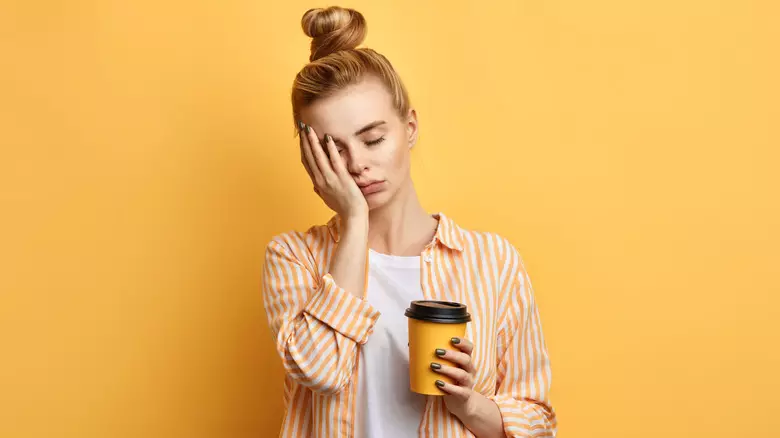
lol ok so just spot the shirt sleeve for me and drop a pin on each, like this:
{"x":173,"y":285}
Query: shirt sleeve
{"x":317,"y":324}
{"x":524,"y":373}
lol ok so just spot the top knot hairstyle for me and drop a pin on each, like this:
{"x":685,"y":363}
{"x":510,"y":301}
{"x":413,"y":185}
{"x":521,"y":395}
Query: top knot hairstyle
{"x":336,"y":61}
{"x":332,"y":30}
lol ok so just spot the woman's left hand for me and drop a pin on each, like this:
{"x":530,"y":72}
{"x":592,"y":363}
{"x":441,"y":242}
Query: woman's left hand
{"x":460,"y":395}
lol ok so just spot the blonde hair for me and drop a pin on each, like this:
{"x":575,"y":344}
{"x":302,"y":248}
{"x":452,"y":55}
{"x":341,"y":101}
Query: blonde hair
{"x":336,"y":62}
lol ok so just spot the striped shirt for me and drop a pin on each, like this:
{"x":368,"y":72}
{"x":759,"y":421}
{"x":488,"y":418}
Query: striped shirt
{"x":318,"y":328}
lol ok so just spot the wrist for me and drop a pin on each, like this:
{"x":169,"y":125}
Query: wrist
{"x":358,"y":219}
{"x":483,"y":417}
{"x":474,"y":406}
{"x":355,"y":228}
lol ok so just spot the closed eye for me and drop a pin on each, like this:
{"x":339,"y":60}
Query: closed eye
{"x":375,"y":142}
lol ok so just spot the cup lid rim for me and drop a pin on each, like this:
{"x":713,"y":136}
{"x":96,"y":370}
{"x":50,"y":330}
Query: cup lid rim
{"x":443,"y":312}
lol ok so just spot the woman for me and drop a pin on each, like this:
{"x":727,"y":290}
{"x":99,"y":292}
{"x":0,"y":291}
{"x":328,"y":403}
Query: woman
{"x":347,"y":366}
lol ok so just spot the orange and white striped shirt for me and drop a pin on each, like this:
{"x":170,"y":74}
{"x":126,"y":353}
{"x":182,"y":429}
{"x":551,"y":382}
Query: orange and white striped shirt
{"x":319,"y":327}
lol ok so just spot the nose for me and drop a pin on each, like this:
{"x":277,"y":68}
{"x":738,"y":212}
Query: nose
{"x":357,"y":161}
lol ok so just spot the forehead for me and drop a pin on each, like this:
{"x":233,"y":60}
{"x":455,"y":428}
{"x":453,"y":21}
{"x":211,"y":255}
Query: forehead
{"x":350,"y":109}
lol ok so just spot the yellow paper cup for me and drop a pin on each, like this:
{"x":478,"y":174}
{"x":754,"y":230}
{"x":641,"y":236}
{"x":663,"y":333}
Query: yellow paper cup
{"x":432,"y":324}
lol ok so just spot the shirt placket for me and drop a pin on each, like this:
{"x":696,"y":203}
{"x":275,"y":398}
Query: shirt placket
{"x":426,"y":265}
{"x":429,"y":293}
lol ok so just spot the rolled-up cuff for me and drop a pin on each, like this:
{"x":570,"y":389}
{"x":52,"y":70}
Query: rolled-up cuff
{"x":347,"y":314}
{"x":522,"y":419}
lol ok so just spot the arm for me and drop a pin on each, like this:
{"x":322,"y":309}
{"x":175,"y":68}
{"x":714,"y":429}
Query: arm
{"x":524,"y":373}
{"x":519,"y":408}
{"x":349,"y":259}
{"x":484,"y":418}
{"x":317,"y":323}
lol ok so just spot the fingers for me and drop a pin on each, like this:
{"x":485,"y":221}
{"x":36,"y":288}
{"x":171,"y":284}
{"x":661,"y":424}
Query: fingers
{"x":307,"y":156}
{"x":459,"y":358}
{"x":306,"y":163}
{"x":300,"y":146}
{"x":458,"y":375}
{"x":460,"y":392}
{"x":463,"y":345}
{"x":335,"y":157}
{"x":321,"y":160}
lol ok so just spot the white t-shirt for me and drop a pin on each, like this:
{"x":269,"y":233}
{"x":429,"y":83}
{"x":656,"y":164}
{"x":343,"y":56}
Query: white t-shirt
{"x":386,"y":408}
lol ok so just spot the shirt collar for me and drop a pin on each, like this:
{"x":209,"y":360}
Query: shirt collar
{"x":448,"y":232}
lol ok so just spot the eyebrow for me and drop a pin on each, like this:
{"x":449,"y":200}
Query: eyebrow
{"x":370,"y":126}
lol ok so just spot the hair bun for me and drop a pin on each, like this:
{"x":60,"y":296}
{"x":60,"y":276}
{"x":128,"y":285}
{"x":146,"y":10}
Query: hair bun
{"x":333,"y":29}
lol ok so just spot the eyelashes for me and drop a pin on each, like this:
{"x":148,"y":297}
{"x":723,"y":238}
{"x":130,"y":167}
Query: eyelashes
{"x":368,"y":143}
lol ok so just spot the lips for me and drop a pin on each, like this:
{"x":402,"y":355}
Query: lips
{"x":371,"y":187}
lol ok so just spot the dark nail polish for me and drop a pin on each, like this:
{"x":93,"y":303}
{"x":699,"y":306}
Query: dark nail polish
{"x":435,"y":366}
{"x":308,"y":129}
{"x":440,"y":384}
{"x":440,"y":352}
{"x":327,"y":138}
{"x":455,"y":340}
{"x":300,"y":125}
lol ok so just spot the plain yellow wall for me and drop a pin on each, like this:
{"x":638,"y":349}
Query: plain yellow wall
{"x":629,"y":149}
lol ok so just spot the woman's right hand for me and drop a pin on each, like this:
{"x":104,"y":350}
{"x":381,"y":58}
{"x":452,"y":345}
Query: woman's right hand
{"x":332,"y":181}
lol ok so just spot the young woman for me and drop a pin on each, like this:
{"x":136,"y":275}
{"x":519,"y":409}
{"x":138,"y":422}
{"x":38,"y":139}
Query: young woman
{"x":335,"y":295}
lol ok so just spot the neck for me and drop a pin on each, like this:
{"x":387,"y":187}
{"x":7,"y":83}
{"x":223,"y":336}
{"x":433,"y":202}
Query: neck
{"x":402,"y":227}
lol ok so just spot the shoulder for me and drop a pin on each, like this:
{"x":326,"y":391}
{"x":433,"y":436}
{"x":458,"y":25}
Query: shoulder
{"x":301,"y":244}
{"x":485,"y":243}
{"x":494,"y":252}
{"x":488,"y":242}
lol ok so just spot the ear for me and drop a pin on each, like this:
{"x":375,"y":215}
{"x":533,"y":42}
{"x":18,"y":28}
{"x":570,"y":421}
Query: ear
{"x":412,"y":127}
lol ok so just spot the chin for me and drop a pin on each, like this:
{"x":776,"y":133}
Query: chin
{"x":379,"y":199}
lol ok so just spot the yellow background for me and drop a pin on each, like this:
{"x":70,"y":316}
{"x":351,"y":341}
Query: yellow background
{"x":629,"y":149}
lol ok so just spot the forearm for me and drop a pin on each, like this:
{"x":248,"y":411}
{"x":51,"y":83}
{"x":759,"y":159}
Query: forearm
{"x":349,"y":259}
{"x":326,"y":364}
{"x":316,"y":343}
{"x":484,"y":418}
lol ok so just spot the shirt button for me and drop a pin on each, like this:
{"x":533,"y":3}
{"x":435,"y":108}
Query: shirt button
{"x":428,"y":259}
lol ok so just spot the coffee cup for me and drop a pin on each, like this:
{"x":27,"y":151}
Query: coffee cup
{"x":432,"y":325}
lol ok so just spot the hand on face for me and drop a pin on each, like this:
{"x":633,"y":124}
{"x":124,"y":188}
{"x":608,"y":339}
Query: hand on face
{"x":328,"y":172}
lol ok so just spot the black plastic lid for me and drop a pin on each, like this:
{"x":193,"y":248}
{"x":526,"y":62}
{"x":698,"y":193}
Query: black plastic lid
{"x":445,"y":312}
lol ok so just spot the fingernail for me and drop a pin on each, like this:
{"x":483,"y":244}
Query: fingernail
{"x":435,"y":366}
{"x":440,"y":384}
{"x":327,"y":138}
{"x":308,"y":129}
{"x":455,"y":340}
{"x":440,"y":352}
{"x":300,"y":125}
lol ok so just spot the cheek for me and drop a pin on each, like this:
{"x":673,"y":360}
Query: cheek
{"x":398,"y":157}
{"x":391,"y":160}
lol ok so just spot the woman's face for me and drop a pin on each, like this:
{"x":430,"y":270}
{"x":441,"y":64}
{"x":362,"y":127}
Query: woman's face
{"x":372,"y":139}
